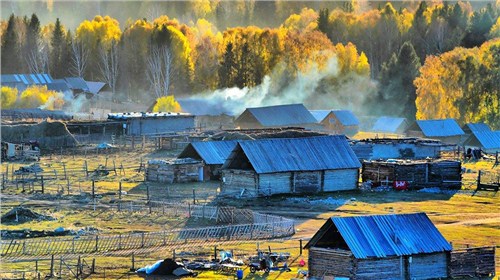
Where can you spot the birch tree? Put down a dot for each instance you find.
(160, 69)
(108, 64)
(79, 58)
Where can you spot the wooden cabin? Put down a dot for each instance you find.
(446, 130)
(337, 121)
(175, 171)
(487, 141)
(416, 174)
(266, 167)
(401, 246)
(276, 116)
(213, 154)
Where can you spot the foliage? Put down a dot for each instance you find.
(167, 104)
(461, 84)
(9, 96)
(40, 96)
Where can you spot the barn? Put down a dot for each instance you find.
(390, 125)
(150, 124)
(265, 167)
(276, 116)
(401, 246)
(487, 141)
(213, 154)
(446, 130)
(337, 121)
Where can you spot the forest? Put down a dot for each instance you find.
(416, 59)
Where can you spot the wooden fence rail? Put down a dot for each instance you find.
(265, 227)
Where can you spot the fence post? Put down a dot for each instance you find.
(43, 185)
(64, 169)
(300, 249)
(93, 188)
(133, 263)
(36, 265)
(120, 190)
(96, 243)
(147, 191)
(215, 253)
(173, 255)
(189, 210)
(78, 270)
(142, 240)
(92, 269)
(51, 266)
(194, 197)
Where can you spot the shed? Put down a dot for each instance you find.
(276, 116)
(417, 174)
(176, 171)
(265, 167)
(213, 154)
(390, 125)
(150, 124)
(396, 148)
(488, 141)
(446, 130)
(337, 121)
(396, 246)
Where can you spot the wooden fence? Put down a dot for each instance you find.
(264, 227)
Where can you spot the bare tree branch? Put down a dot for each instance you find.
(79, 57)
(160, 69)
(108, 65)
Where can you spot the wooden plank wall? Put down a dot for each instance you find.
(170, 173)
(339, 180)
(306, 182)
(428, 266)
(387, 268)
(234, 181)
(472, 262)
(330, 262)
(274, 183)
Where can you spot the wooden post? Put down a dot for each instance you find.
(96, 243)
(215, 252)
(43, 185)
(133, 142)
(92, 269)
(142, 240)
(64, 169)
(189, 210)
(300, 249)
(143, 141)
(36, 265)
(51, 266)
(147, 191)
(114, 167)
(173, 255)
(86, 169)
(93, 188)
(194, 197)
(106, 163)
(120, 190)
(133, 263)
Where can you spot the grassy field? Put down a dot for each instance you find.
(463, 219)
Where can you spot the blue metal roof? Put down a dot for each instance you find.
(389, 124)
(381, 236)
(346, 117)
(320, 115)
(27, 79)
(299, 154)
(77, 83)
(477, 127)
(95, 87)
(440, 128)
(281, 115)
(58, 85)
(211, 152)
(487, 139)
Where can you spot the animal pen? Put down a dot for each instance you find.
(417, 174)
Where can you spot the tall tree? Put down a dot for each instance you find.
(323, 25)
(10, 54)
(57, 42)
(109, 62)
(228, 68)
(397, 91)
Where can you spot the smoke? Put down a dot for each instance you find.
(317, 88)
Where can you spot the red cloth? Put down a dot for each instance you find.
(400, 185)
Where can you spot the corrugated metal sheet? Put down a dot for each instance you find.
(95, 87)
(488, 139)
(27, 79)
(478, 127)
(346, 117)
(77, 83)
(300, 154)
(440, 128)
(391, 235)
(212, 152)
(389, 124)
(320, 115)
(281, 115)
(58, 85)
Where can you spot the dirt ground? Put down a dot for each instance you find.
(463, 219)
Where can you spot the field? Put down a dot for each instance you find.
(463, 219)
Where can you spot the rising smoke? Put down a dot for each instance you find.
(317, 88)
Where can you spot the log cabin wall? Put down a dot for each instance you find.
(330, 262)
(274, 183)
(428, 266)
(236, 181)
(340, 180)
(387, 268)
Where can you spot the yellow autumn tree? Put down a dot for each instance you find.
(102, 30)
(9, 96)
(40, 96)
(167, 104)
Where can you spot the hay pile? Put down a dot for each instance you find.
(23, 215)
(232, 135)
(50, 134)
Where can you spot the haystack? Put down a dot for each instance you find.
(50, 134)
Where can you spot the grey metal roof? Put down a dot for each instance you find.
(299, 154)
(77, 83)
(487, 139)
(281, 115)
(95, 87)
(346, 117)
(58, 85)
(440, 128)
(389, 124)
(211, 152)
(383, 236)
(320, 115)
(477, 127)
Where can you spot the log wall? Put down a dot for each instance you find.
(340, 180)
(387, 268)
(274, 183)
(428, 266)
(472, 262)
(236, 181)
(306, 182)
(330, 262)
(173, 173)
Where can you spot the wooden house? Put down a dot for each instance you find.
(337, 121)
(151, 124)
(446, 130)
(175, 171)
(487, 141)
(401, 246)
(416, 174)
(276, 116)
(390, 125)
(290, 165)
(213, 154)
(396, 148)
